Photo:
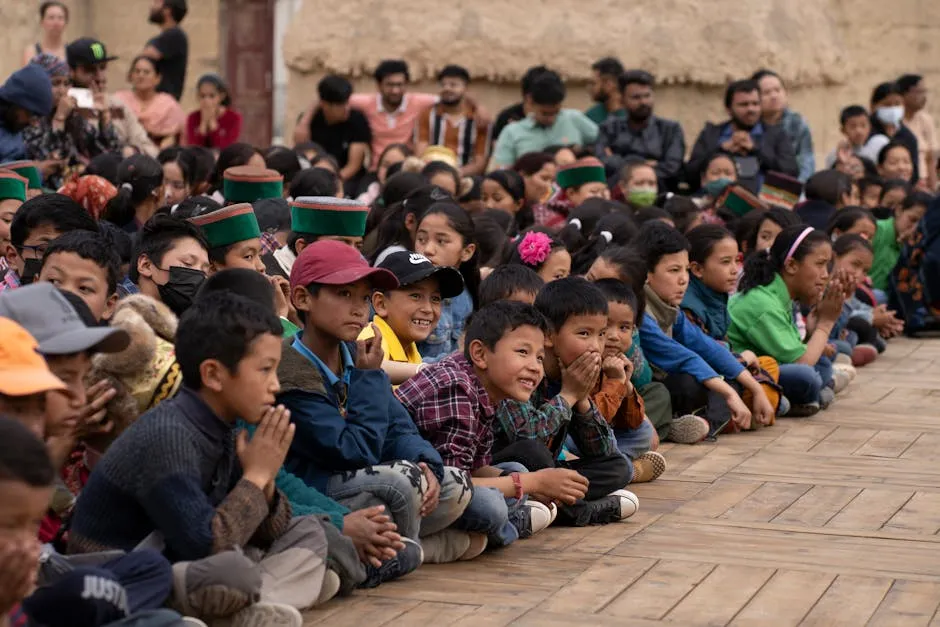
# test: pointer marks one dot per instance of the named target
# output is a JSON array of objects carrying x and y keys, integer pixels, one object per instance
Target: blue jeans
[
  {"x": 492, "y": 513},
  {"x": 802, "y": 383},
  {"x": 634, "y": 442},
  {"x": 397, "y": 485}
]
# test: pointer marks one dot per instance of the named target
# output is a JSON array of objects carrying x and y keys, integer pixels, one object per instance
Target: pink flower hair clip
[{"x": 534, "y": 248}]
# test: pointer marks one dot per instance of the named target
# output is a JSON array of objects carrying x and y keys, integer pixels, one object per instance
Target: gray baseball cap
[{"x": 52, "y": 320}]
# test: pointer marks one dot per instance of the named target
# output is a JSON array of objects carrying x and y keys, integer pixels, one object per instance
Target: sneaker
[
  {"x": 554, "y": 510},
  {"x": 783, "y": 409},
  {"x": 847, "y": 369},
  {"x": 268, "y": 615},
  {"x": 803, "y": 411},
  {"x": 478, "y": 544},
  {"x": 688, "y": 429},
  {"x": 329, "y": 588},
  {"x": 407, "y": 560},
  {"x": 842, "y": 359},
  {"x": 445, "y": 546},
  {"x": 614, "y": 507},
  {"x": 648, "y": 466},
  {"x": 826, "y": 397},
  {"x": 540, "y": 516},
  {"x": 190, "y": 620},
  {"x": 863, "y": 355}
]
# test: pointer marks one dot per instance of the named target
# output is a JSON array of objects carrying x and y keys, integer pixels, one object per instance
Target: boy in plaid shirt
[
  {"x": 533, "y": 432},
  {"x": 454, "y": 402}
]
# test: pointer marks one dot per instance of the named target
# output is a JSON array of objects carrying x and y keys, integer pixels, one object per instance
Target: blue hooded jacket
[{"x": 30, "y": 89}]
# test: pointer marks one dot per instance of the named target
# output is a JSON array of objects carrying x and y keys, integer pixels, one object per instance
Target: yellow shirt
[{"x": 391, "y": 345}]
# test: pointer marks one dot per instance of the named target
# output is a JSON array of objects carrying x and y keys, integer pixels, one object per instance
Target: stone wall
[
  {"x": 830, "y": 52},
  {"x": 122, "y": 25}
]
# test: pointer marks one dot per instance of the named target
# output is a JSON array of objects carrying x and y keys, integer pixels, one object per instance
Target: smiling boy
[
  {"x": 454, "y": 402},
  {"x": 407, "y": 315},
  {"x": 355, "y": 442},
  {"x": 534, "y": 431}
]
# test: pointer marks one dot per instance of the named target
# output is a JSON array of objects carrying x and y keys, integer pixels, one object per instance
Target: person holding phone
[{"x": 66, "y": 138}]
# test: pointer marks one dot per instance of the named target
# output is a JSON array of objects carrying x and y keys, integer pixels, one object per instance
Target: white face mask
[{"x": 890, "y": 115}]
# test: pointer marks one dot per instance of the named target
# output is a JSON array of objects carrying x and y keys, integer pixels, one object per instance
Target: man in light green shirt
[{"x": 547, "y": 125}]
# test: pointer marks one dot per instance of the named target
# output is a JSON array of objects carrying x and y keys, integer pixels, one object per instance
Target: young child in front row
[
  {"x": 511, "y": 282},
  {"x": 796, "y": 268},
  {"x": 355, "y": 442},
  {"x": 200, "y": 492},
  {"x": 533, "y": 432},
  {"x": 615, "y": 396},
  {"x": 407, "y": 314},
  {"x": 697, "y": 368},
  {"x": 542, "y": 253},
  {"x": 853, "y": 256},
  {"x": 622, "y": 264},
  {"x": 454, "y": 404}
]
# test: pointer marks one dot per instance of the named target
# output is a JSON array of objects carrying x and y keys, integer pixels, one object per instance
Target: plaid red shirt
[{"x": 453, "y": 411}]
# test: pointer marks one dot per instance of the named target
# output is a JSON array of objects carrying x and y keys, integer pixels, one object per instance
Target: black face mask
[
  {"x": 31, "y": 268},
  {"x": 181, "y": 289}
]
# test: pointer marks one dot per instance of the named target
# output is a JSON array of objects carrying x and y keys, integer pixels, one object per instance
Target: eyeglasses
[{"x": 37, "y": 251}]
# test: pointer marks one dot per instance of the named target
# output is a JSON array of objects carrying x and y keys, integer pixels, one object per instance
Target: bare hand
[
  {"x": 262, "y": 456},
  {"x": 740, "y": 414},
  {"x": 615, "y": 367},
  {"x": 282, "y": 301},
  {"x": 749, "y": 358},
  {"x": 578, "y": 379},
  {"x": 743, "y": 141},
  {"x": 830, "y": 305},
  {"x": 369, "y": 353},
  {"x": 93, "y": 418},
  {"x": 561, "y": 484},
  {"x": 763, "y": 411},
  {"x": 844, "y": 151},
  {"x": 433, "y": 495},
  {"x": 64, "y": 109},
  {"x": 373, "y": 534},
  {"x": 830, "y": 351},
  {"x": 19, "y": 563}
]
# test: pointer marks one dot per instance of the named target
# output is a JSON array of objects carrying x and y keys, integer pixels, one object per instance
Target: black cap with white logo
[{"x": 411, "y": 268}]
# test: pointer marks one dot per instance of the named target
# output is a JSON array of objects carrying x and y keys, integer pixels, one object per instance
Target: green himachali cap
[
  {"x": 12, "y": 186},
  {"x": 247, "y": 183},
  {"x": 586, "y": 170},
  {"x": 324, "y": 215},
  {"x": 229, "y": 225},
  {"x": 28, "y": 170},
  {"x": 738, "y": 200}
]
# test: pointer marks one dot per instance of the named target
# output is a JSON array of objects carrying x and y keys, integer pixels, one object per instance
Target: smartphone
[{"x": 83, "y": 97}]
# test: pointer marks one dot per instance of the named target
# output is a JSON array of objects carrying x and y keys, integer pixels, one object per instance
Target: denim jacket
[{"x": 445, "y": 339}]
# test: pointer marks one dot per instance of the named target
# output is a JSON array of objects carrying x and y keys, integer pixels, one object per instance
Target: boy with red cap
[{"x": 354, "y": 440}]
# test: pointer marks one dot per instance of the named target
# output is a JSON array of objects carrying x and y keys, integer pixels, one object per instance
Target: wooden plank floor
[{"x": 826, "y": 521}]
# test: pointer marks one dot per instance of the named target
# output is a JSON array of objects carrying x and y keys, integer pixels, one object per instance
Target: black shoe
[{"x": 613, "y": 508}]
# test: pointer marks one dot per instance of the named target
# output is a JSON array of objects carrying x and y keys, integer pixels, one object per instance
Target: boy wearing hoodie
[{"x": 26, "y": 95}]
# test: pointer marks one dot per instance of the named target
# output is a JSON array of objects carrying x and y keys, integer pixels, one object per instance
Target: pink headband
[{"x": 797, "y": 243}]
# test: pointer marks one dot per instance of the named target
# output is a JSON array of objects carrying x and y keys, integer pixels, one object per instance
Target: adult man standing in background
[{"x": 170, "y": 49}]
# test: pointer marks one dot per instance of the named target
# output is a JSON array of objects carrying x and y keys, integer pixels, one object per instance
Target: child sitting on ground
[
  {"x": 206, "y": 492},
  {"x": 615, "y": 396},
  {"x": 622, "y": 264},
  {"x": 713, "y": 276},
  {"x": 511, "y": 282},
  {"x": 454, "y": 402},
  {"x": 84, "y": 263},
  {"x": 37, "y": 222},
  {"x": 853, "y": 256},
  {"x": 795, "y": 268},
  {"x": 355, "y": 442},
  {"x": 445, "y": 235},
  {"x": 890, "y": 236},
  {"x": 407, "y": 315},
  {"x": 697, "y": 369},
  {"x": 583, "y": 179},
  {"x": 542, "y": 253},
  {"x": 533, "y": 432}
]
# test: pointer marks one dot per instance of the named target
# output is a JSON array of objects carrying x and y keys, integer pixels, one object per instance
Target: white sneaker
[
  {"x": 629, "y": 503},
  {"x": 189, "y": 620},
  {"x": 540, "y": 516},
  {"x": 614, "y": 507},
  {"x": 268, "y": 615},
  {"x": 329, "y": 588},
  {"x": 840, "y": 381}
]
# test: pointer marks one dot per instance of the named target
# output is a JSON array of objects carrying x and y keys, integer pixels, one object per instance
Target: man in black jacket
[
  {"x": 754, "y": 148},
  {"x": 642, "y": 135}
]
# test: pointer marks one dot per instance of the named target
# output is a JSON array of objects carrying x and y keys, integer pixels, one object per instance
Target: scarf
[
  {"x": 664, "y": 315},
  {"x": 709, "y": 306}
]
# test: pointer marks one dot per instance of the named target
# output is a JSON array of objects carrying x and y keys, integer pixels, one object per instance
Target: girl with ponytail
[
  {"x": 140, "y": 193},
  {"x": 795, "y": 268}
]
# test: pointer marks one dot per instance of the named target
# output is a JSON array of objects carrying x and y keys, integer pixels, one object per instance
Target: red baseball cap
[{"x": 330, "y": 262}]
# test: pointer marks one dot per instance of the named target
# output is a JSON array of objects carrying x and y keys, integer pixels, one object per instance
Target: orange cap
[{"x": 23, "y": 371}]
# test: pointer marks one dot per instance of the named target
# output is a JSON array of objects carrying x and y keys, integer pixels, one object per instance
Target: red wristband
[{"x": 517, "y": 483}]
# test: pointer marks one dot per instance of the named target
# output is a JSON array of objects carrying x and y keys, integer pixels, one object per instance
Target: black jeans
[
  {"x": 691, "y": 397},
  {"x": 605, "y": 474}
]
